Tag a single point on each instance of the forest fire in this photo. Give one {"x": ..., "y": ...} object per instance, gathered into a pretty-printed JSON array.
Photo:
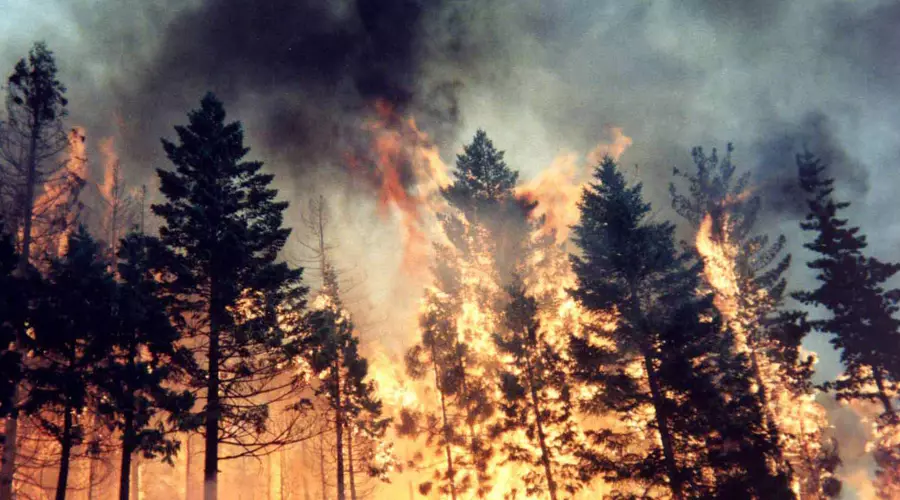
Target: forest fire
[{"x": 362, "y": 295}]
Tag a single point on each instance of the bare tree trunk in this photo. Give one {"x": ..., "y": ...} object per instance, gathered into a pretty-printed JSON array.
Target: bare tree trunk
[
  {"x": 339, "y": 430},
  {"x": 127, "y": 452},
  {"x": 62, "y": 480},
  {"x": 539, "y": 421},
  {"x": 350, "y": 473},
  {"x": 451, "y": 472},
  {"x": 187, "y": 467},
  {"x": 211, "y": 452},
  {"x": 662, "y": 421}
]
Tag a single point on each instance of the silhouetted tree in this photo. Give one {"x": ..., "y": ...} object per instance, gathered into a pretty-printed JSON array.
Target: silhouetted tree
[
  {"x": 72, "y": 329},
  {"x": 862, "y": 324},
  {"x": 31, "y": 138},
  {"x": 747, "y": 271},
  {"x": 657, "y": 360},
  {"x": 224, "y": 231},
  {"x": 135, "y": 378}
]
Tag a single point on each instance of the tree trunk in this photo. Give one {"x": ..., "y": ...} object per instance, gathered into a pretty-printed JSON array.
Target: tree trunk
[
  {"x": 339, "y": 430},
  {"x": 539, "y": 421},
  {"x": 451, "y": 472},
  {"x": 127, "y": 452},
  {"x": 66, "y": 442},
  {"x": 187, "y": 467},
  {"x": 350, "y": 472},
  {"x": 8, "y": 461},
  {"x": 211, "y": 452},
  {"x": 662, "y": 421}
]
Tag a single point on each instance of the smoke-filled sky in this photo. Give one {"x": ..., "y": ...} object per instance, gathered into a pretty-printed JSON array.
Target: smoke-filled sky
[{"x": 542, "y": 77}]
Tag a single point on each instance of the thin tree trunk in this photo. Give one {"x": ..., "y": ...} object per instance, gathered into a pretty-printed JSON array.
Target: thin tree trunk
[
  {"x": 350, "y": 473},
  {"x": 339, "y": 430},
  {"x": 539, "y": 421},
  {"x": 8, "y": 461},
  {"x": 451, "y": 472},
  {"x": 127, "y": 452},
  {"x": 663, "y": 424},
  {"x": 66, "y": 442},
  {"x": 187, "y": 467},
  {"x": 211, "y": 452}
]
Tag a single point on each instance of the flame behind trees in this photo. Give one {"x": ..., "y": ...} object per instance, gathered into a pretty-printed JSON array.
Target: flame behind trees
[
  {"x": 862, "y": 323},
  {"x": 31, "y": 140},
  {"x": 223, "y": 229},
  {"x": 746, "y": 272},
  {"x": 685, "y": 426}
]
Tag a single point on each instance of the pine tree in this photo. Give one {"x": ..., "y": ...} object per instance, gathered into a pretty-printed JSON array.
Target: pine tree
[
  {"x": 863, "y": 327},
  {"x": 488, "y": 229},
  {"x": 72, "y": 334},
  {"x": 333, "y": 351},
  {"x": 31, "y": 138},
  {"x": 224, "y": 231},
  {"x": 537, "y": 402},
  {"x": 655, "y": 358},
  {"x": 747, "y": 274},
  {"x": 136, "y": 376}
]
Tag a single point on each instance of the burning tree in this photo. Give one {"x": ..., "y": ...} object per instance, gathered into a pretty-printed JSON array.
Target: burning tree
[
  {"x": 332, "y": 349},
  {"x": 487, "y": 228},
  {"x": 36, "y": 189},
  {"x": 862, "y": 323},
  {"x": 223, "y": 229},
  {"x": 538, "y": 404},
  {"x": 746, "y": 273},
  {"x": 655, "y": 360}
]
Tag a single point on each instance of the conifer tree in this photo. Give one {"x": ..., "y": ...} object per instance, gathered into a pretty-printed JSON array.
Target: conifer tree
[
  {"x": 537, "y": 402},
  {"x": 655, "y": 358},
  {"x": 135, "y": 378},
  {"x": 862, "y": 324},
  {"x": 223, "y": 229},
  {"x": 31, "y": 138},
  {"x": 488, "y": 228},
  {"x": 747, "y": 271},
  {"x": 333, "y": 350},
  {"x": 72, "y": 334}
]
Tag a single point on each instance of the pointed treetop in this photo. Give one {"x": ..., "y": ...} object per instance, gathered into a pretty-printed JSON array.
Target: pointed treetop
[{"x": 481, "y": 174}]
